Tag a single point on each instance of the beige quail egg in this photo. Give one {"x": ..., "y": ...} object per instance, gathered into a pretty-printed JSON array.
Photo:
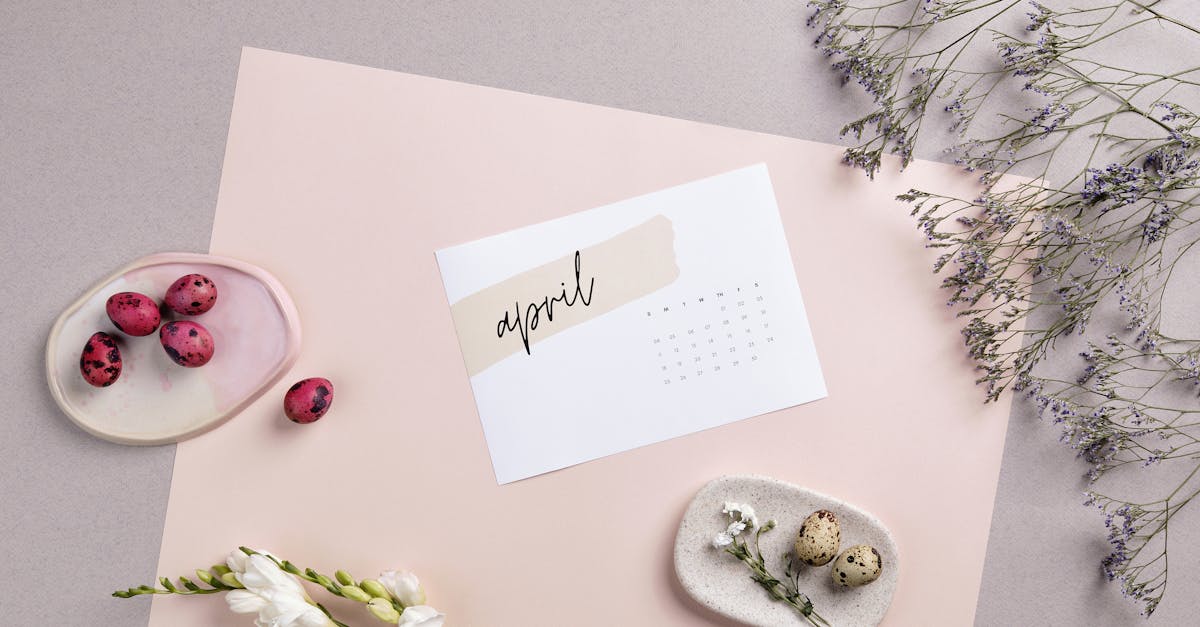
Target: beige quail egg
[
  {"x": 819, "y": 538},
  {"x": 858, "y": 565}
]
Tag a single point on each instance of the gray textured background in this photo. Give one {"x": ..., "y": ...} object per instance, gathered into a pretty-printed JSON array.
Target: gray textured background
[{"x": 112, "y": 130}]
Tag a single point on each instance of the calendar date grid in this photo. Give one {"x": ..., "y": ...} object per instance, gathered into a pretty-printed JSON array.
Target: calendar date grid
[{"x": 710, "y": 334}]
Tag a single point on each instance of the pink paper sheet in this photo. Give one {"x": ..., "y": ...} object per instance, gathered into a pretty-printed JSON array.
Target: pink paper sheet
[{"x": 343, "y": 180}]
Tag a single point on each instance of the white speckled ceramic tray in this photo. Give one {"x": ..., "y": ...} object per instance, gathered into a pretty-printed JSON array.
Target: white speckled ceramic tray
[
  {"x": 256, "y": 333},
  {"x": 720, "y": 582}
]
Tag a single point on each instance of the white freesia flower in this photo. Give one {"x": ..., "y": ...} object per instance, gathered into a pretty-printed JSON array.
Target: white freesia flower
[
  {"x": 276, "y": 596},
  {"x": 245, "y": 602},
  {"x": 237, "y": 560},
  {"x": 421, "y": 616},
  {"x": 264, "y": 575},
  {"x": 292, "y": 611},
  {"x": 404, "y": 586}
]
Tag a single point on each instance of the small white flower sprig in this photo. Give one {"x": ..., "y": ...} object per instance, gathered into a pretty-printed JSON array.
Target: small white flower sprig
[
  {"x": 786, "y": 590},
  {"x": 257, "y": 582}
]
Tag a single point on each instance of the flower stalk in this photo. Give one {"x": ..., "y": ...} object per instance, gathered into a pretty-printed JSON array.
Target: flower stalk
[
  {"x": 786, "y": 590},
  {"x": 258, "y": 582},
  {"x": 1078, "y": 256}
]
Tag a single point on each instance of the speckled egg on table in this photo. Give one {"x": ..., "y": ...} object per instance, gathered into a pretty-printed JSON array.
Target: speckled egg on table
[
  {"x": 100, "y": 363},
  {"x": 187, "y": 343},
  {"x": 133, "y": 313},
  {"x": 858, "y": 565},
  {"x": 308, "y": 400},
  {"x": 819, "y": 538},
  {"x": 191, "y": 295}
]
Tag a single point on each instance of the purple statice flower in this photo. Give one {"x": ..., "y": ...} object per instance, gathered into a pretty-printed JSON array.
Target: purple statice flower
[
  {"x": 1063, "y": 228},
  {"x": 1182, "y": 138},
  {"x": 1175, "y": 112},
  {"x": 1154, "y": 227},
  {"x": 1190, "y": 369},
  {"x": 1094, "y": 438},
  {"x": 961, "y": 114},
  {"x": 1116, "y": 185},
  {"x": 1121, "y": 532},
  {"x": 998, "y": 212},
  {"x": 1049, "y": 117},
  {"x": 1030, "y": 58},
  {"x": 935, "y": 9},
  {"x": 871, "y": 72},
  {"x": 1039, "y": 17},
  {"x": 1171, "y": 167},
  {"x": 823, "y": 16}
]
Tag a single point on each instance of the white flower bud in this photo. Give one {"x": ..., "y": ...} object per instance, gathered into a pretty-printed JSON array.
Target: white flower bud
[
  {"x": 354, "y": 593},
  {"x": 383, "y": 610},
  {"x": 404, "y": 586}
]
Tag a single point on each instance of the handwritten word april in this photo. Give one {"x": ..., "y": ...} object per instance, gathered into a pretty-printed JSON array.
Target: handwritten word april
[{"x": 533, "y": 311}]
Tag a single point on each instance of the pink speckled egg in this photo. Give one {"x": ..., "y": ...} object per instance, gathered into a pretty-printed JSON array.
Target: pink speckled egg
[
  {"x": 187, "y": 343},
  {"x": 100, "y": 363},
  {"x": 308, "y": 400},
  {"x": 133, "y": 313},
  {"x": 191, "y": 295}
]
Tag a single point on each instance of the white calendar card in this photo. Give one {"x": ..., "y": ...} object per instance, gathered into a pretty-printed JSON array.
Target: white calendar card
[{"x": 631, "y": 323}]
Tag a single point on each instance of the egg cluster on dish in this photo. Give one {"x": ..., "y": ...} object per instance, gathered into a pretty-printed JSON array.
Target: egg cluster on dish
[
  {"x": 186, "y": 342},
  {"x": 818, "y": 542}
]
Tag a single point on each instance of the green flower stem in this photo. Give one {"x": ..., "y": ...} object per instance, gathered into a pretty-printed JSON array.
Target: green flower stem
[
  {"x": 331, "y": 584},
  {"x": 186, "y": 586},
  {"x": 785, "y": 592},
  {"x": 1148, "y": 9},
  {"x": 212, "y": 578},
  {"x": 328, "y": 615}
]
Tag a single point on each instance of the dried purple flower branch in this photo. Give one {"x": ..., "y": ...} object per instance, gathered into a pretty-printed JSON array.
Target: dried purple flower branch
[{"x": 1033, "y": 265}]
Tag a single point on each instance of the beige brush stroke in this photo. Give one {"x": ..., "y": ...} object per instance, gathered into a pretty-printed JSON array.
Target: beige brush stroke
[{"x": 625, "y": 267}]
